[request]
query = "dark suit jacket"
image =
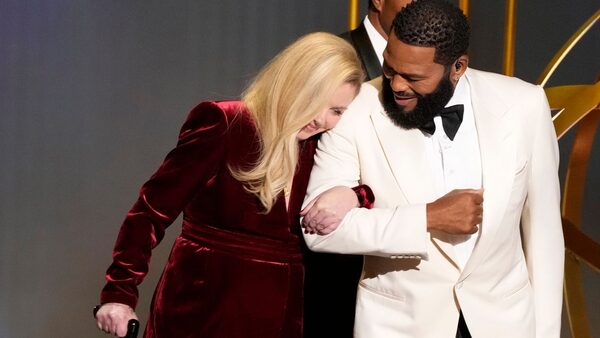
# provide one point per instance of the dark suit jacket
(361, 42)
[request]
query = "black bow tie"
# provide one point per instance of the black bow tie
(451, 118)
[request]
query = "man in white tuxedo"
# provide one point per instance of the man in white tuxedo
(465, 237)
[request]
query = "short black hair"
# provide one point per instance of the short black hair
(434, 23)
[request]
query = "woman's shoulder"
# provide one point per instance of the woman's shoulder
(220, 115)
(228, 111)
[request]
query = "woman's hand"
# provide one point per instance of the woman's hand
(113, 318)
(325, 213)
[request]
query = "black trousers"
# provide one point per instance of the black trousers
(463, 330)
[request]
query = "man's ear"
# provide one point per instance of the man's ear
(378, 4)
(459, 67)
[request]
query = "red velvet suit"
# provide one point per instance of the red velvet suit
(233, 272)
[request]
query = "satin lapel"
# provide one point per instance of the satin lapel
(497, 151)
(407, 160)
(405, 154)
(362, 42)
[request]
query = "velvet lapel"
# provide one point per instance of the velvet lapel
(497, 151)
(303, 169)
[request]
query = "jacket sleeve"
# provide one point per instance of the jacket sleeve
(186, 168)
(541, 225)
(388, 231)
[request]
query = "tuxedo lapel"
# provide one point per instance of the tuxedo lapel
(406, 157)
(497, 158)
(362, 43)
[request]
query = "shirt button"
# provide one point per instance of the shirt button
(459, 285)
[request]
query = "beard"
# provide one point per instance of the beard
(427, 107)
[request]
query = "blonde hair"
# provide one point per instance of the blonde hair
(285, 96)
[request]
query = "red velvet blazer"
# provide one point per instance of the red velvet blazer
(234, 271)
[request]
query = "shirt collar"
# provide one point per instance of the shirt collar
(461, 93)
(377, 41)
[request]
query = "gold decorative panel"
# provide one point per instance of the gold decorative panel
(578, 106)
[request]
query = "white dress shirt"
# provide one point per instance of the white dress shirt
(377, 41)
(457, 164)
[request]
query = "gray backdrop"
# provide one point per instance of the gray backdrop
(92, 94)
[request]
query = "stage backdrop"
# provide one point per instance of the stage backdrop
(92, 95)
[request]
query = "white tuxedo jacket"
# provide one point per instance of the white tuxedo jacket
(411, 285)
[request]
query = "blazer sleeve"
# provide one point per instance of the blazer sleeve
(388, 232)
(186, 168)
(541, 225)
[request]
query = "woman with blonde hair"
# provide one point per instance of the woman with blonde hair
(238, 173)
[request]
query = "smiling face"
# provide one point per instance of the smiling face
(330, 115)
(411, 71)
(415, 87)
